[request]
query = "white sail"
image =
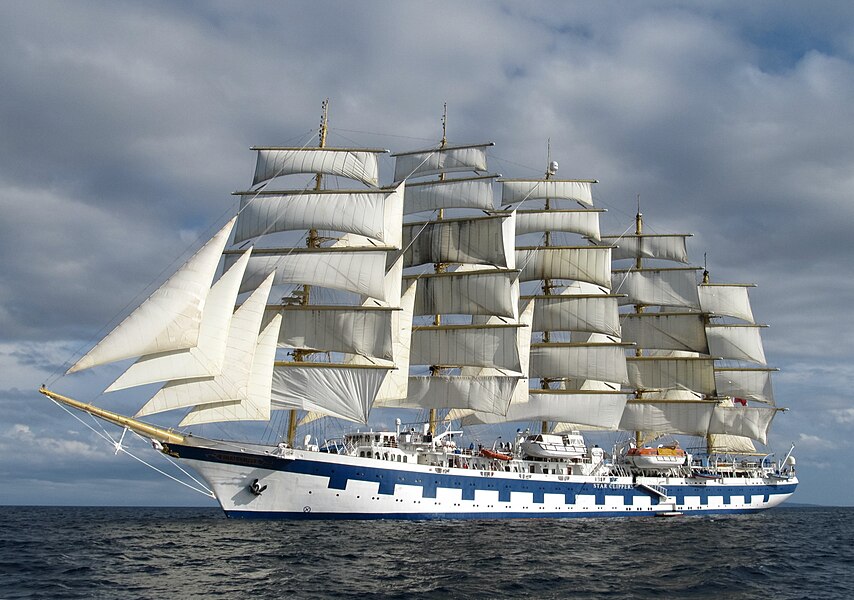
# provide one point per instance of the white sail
(747, 383)
(231, 384)
(577, 312)
(490, 394)
(466, 345)
(255, 405)
(726, 300)
(591, 264)
(668, 372)
(449, 159)
(734, 444)
(585, 360)
(601, 410)
(206, 358)
(747, 421)
(738, 342)
(481, 292)
(663, 247)
(657, 287)
(167, 320)
(518, 190)
(357, 164)
(376, 214)
(685, 417)
(341, 391)
(583, 222)
(396, 382)
(469, 192)
(354, 330)
(666, 331)
(482, 240)
(359, 271)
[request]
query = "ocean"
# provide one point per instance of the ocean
(106, 553)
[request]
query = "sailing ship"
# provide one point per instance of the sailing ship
(425, 298)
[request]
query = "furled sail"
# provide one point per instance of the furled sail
(358, 164)
(167, 320)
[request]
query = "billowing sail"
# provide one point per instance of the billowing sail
(594, 313)
(450, 159)
(467, 192)
(469, 292)
(343, 391)
(657, 287)
(583, 222)
(738, 342)
(726, 300)
(579, 360)
(751, 422)
(466, 345)
(686, 417)
(167, 320)
(671, 372)
(483, 240)
(518, 190)
(365, 330)
(663, 247)
(746, 383)
(490, 394)
(206, 358)
(666, 331)
(361, 271)
(375, 214)
(231, 385)
(358, 164)
(255, 404)
(591, 264)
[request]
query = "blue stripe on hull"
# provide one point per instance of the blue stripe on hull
(307, 516)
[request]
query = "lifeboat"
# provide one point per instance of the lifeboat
(662, 457)
(486, 452)
(554, 446)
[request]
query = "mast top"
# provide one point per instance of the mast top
(444, 141)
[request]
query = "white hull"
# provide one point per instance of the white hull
(305, 484)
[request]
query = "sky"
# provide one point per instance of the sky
(124, 128)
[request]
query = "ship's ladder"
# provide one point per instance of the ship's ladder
(655, 490)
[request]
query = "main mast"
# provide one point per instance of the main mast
(312, 241)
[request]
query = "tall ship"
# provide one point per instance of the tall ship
(419, 317)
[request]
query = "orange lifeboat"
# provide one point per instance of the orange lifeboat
(486, 452)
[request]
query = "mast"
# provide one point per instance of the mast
(312, 241)
(435, 370)
(551, 169)
(638, 308)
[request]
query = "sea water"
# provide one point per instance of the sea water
(50, 552)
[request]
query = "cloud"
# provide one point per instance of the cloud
(119, 154)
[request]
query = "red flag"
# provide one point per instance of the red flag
(741, 401)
